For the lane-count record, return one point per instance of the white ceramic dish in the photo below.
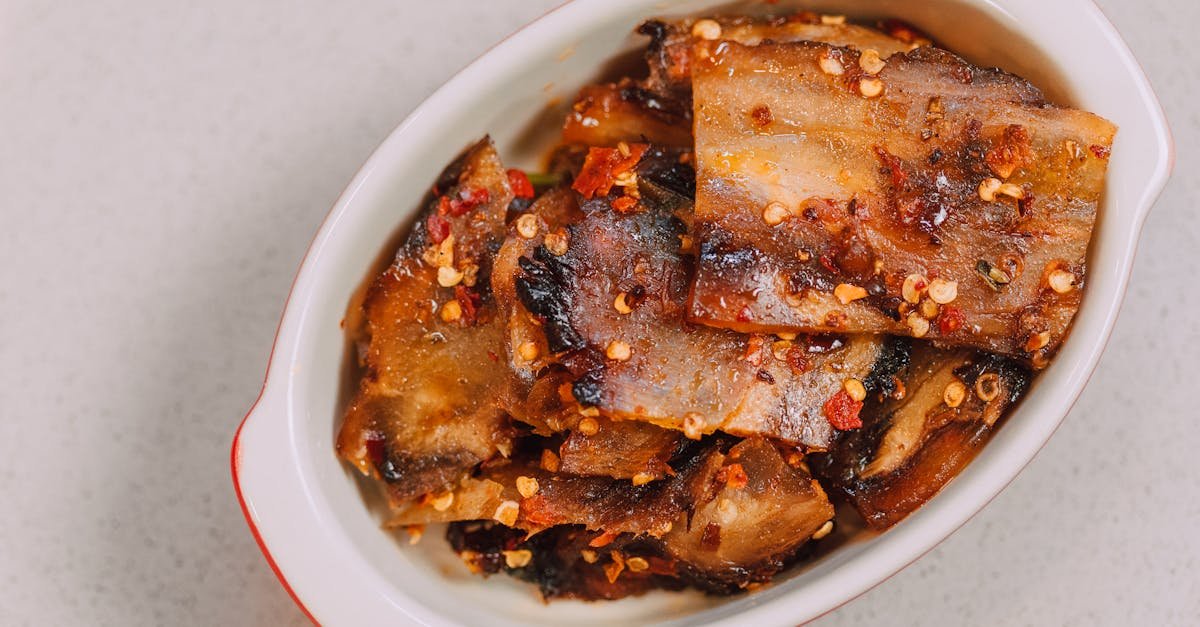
(307, 511)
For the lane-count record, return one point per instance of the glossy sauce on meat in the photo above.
(919, 436)
(423, 415)
(669, 373)
(948, 172)
(617, 379)
(670, 52)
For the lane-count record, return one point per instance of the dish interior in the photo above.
(519, 105)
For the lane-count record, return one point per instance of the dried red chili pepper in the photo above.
(624, 204)
(469, 301)
(797, 360)
(438, 227)
(519, 182)
(950, 319)
(842, 411)
(733, 475)
(601, 167)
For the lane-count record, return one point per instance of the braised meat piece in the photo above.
(605, 115)
(923, 432)
(670, 51)
(918, 195)
(747, 512)
(802, 260)
(424, 414)
(608, 298)
(762, 511)
(526, 495)
(562, 562)
(621, 449)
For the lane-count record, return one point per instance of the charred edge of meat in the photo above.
(544, 288)
(1025, 92)
(679, 178)
(735, 578)
(666, 109)
(657, 31)
(419, 238)
(556, 564)
(516, 207)
(1014, 374)
(409, 475)
(893, 358)
(588, 388)
(725, 263)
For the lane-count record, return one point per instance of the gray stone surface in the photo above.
(163, 166)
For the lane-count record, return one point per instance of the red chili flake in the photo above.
(829, 264)
(745, 314)
(661, 566)
(797, 360)
(374, 442)
(903, 31)
(711, 538)
(761, 115)
(438, 227)
(842, 411)
(624, 204)
(537, 510)
(519, 182)
(950, 319)
(1101, 152)
(893, 166)
(835, 320)
(511, 543)
(601, 167)
(467, 200)
(680, 65)
(469, 301)
(493, 356)
(733, 475)
(754, 350)
(604, 539)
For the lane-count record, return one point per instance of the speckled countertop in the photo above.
(163, 166)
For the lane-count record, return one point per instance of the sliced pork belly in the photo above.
(924, 433)
(921, 196)
(721, 522)
(669, 53)
(605, 115)
(608, 294)
(562, 562)
(621, 449)
(526, 495)
(424, 414)
(762, 511)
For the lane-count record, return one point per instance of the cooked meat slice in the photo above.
(917, 440)
(526, 496)
(424, 414)
(609, 293)
(621, 449)
(531, 397)
(562, 563)
(750, 513)
(670, 52)
(605, 115)
(817, 205)
(763, 511)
